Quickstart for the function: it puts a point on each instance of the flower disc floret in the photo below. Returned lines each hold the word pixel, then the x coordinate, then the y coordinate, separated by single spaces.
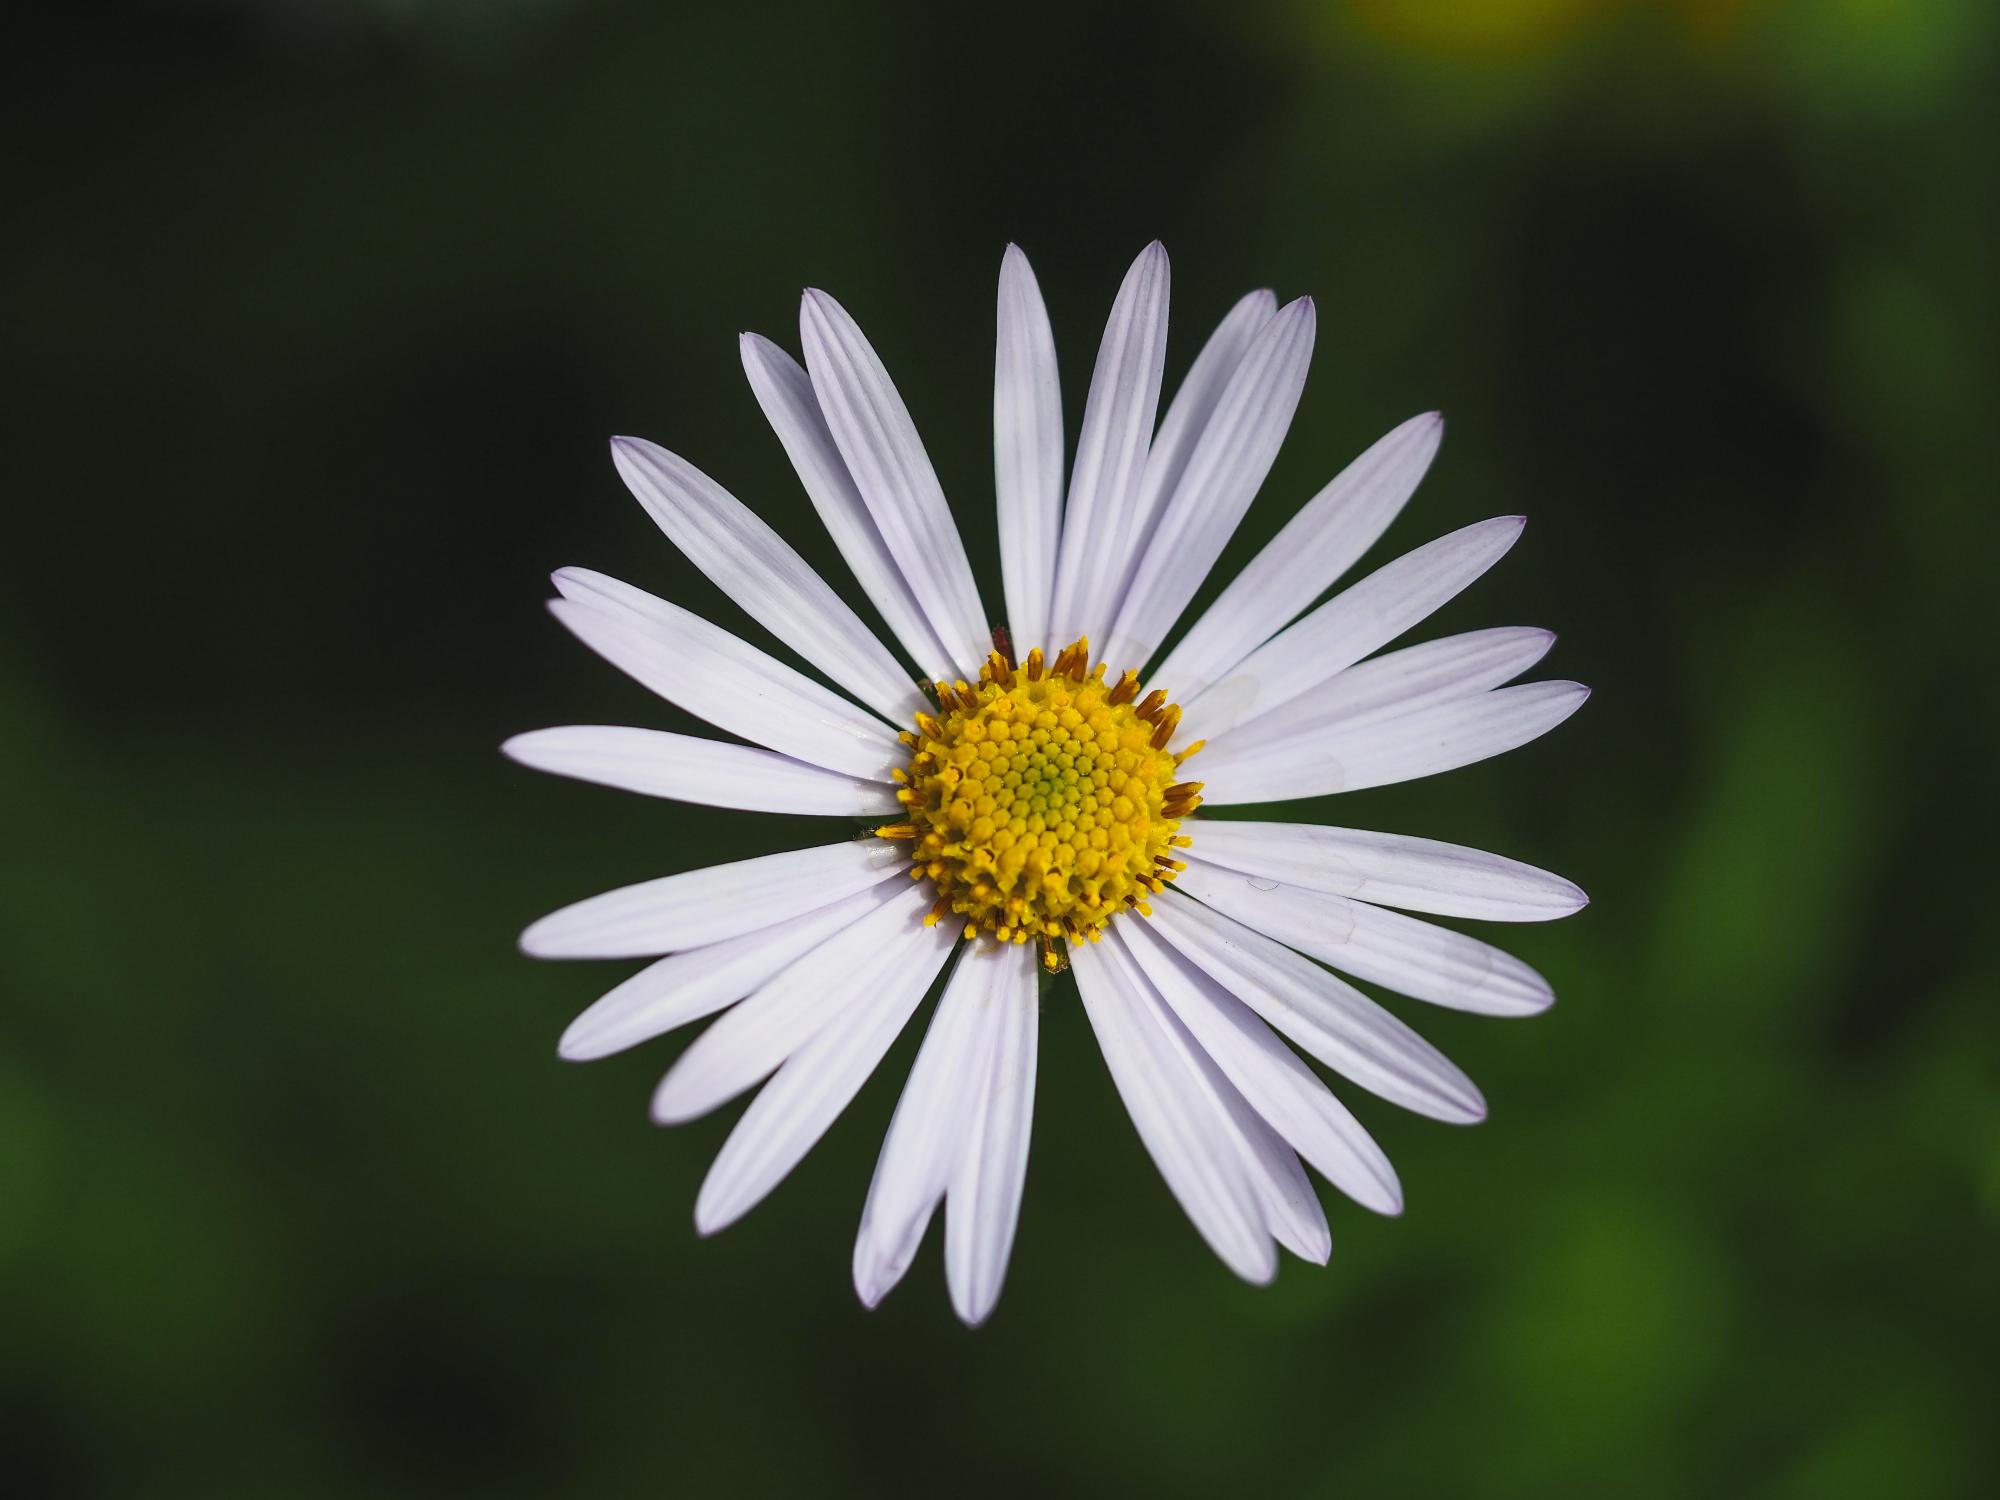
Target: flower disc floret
pixel 1043 800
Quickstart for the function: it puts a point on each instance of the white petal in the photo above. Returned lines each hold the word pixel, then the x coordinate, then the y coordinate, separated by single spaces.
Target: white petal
pixel 1382 752
pixel 1286 1202
pixel 1284 1195
pixel 984 1198
pixel 1388 869
pixel 816 1083
pixel 1267 1073
pixel 1292 1210
pixel 1111 446
pixel 784 391
pixel 706 906
pixel 1303 560
pixel 933 1116
pixel 758 569
pixel 1189 413
pixel 1394 684
pixel 1323 1013
pixel 687 769
pixel 1228 466
pixel 1358 620
pixel 886 457
pixel 1179 1115
pixel 718 677
pixel 687 986
pixel 1400 953
pixel 746 1043
pixel 1027 451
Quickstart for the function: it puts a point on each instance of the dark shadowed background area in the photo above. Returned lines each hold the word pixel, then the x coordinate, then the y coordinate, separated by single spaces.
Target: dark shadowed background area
pixel 317 316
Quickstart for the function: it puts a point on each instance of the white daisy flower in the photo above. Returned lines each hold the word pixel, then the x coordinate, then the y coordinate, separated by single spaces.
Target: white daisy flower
pixel 1032 808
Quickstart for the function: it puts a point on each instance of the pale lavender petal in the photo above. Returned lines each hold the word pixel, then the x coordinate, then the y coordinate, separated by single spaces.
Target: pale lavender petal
pixel 1111 451
pixel 1327 536
pixel 878 440
pixel 1228 466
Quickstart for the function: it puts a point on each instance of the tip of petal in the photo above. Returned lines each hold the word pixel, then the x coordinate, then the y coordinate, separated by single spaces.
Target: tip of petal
pixel 1539 1003
pixel 669 1107
pixel 870 1285
pixel 971 1315
pixel 1150 261
pixel 520 748
pixel 821 318
pixel 1425 430
pixel 576 1043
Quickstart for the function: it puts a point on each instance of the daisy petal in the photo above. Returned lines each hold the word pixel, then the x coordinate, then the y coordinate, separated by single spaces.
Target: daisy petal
pixel 794 1109
pixel 1389 869
pixel 718 677
pixel 1176 1109
pixel 1228 466
pixel 1398 683
pixel 1303 560
pixel 984 1200
pixel 687 769
pixel 1267 1073
pixel 1284 1194
pixel 784 392
pixel 1356 621
pixel 1188 414
pixel 758 569
pixel 1399 953
pixel 1292 1210
pixel 706 906
pixel 1383 752
pixel 924 1136
pixel 746 1043
pixel 875 435
pixel 1111 449
pixel 1027 450
pixel 684 987
pixel 1323 1013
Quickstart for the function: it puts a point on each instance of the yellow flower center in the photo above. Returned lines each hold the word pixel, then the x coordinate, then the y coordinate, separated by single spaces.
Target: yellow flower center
pixel 1042 800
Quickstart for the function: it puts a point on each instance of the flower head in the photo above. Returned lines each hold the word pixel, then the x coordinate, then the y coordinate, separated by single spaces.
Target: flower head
pixel 1044 801
pixel 1038 807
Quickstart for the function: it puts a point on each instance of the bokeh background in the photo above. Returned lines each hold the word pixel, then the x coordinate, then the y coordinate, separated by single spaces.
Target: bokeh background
pixel 316 318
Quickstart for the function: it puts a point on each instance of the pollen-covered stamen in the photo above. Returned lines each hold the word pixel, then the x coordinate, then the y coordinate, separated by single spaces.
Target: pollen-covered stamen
pixel 1042 800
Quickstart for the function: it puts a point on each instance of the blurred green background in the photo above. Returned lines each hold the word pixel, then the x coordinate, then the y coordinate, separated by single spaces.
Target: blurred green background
pixel 316 318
